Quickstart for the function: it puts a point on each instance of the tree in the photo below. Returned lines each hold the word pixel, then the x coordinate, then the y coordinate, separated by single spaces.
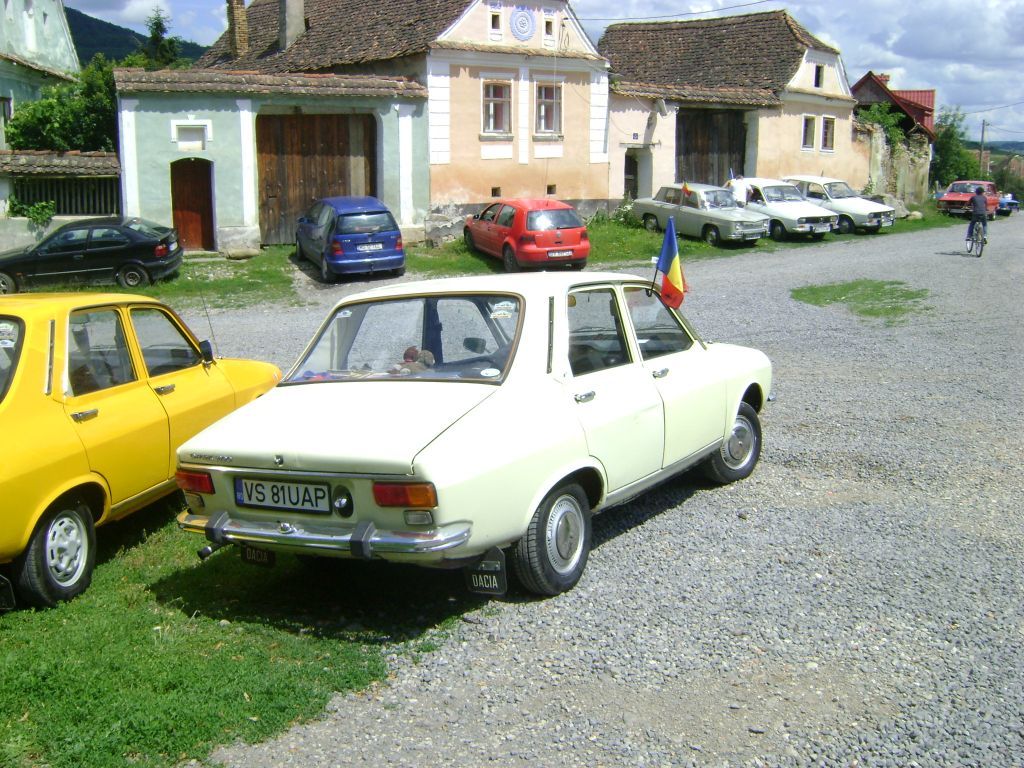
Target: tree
pixel 80 115
pixel 160 50
pixel 951 160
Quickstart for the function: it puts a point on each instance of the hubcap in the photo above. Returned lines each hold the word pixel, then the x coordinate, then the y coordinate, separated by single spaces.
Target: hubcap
pixel 564 535
pixel 65 549
pixel 740 445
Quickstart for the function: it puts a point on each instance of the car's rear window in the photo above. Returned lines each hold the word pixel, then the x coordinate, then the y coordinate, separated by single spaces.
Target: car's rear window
pixel 365 223
pixel 146 227
pixel 554 218
pixel 11 338
pixel 450 337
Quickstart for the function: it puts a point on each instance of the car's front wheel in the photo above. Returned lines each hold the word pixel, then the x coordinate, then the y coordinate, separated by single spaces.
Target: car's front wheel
pixel 467 238
pixel 57 564
pixel 509 258
pixel 777 231
pixel 7 284
pixel 740 451
pixel 711 235
pixel 551 555
pixel 650 222
pixel 132 276
pixel 845 225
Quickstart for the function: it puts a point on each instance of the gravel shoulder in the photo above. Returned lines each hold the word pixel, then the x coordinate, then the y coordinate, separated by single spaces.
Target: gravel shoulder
pixel 857 601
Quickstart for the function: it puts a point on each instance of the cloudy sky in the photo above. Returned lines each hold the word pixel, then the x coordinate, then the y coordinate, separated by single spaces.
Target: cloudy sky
pixel 971 53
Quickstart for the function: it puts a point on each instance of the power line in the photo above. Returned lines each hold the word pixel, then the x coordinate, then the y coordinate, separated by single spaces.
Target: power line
pixel 674 15
pixel 992 109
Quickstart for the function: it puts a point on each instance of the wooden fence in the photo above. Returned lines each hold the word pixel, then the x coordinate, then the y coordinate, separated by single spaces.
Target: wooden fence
pixel 73 196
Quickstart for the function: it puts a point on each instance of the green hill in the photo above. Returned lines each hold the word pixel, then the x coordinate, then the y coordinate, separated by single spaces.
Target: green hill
pixel 92 36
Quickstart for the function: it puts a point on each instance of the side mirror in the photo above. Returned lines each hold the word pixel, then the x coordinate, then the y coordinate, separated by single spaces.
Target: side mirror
pixel 206 350
pixel 476 217
pixel 475 345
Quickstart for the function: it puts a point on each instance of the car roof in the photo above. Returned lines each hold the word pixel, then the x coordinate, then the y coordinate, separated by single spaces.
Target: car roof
pixel 697 187
pixel 760 181
pixel 363 204
pixel 814 179
pixel 533 203
pixel 36 304
pixel 528 284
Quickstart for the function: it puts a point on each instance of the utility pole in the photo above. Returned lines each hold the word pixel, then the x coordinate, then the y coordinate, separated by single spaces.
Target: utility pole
pixel 981 155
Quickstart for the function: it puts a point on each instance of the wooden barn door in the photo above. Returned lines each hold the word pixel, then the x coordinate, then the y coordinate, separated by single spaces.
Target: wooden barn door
pixel 709 145
pixel 304 157
pixel 192 203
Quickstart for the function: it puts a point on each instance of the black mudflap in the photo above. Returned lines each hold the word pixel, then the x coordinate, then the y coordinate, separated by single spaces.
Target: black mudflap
pixel 488 576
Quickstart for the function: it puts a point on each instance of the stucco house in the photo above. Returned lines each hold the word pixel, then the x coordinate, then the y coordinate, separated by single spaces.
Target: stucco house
pixel 753 94
pixel 432 105
pixel 35 51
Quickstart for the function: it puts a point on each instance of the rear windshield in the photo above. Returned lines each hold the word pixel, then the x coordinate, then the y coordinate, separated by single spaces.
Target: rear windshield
pixel 556 218
pixel 365 223
pixel 11 336
pixel 146 227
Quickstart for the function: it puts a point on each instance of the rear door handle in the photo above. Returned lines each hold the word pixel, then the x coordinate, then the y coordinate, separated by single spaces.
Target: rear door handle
pixel 165 389
pixel 81 416
pixel 661 373
pixel 586 397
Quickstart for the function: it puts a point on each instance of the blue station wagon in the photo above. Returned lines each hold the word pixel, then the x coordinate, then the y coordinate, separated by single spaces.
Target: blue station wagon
pixel 350 235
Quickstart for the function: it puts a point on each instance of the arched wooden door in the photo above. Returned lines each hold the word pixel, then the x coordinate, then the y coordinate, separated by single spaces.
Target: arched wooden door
pixel 192 203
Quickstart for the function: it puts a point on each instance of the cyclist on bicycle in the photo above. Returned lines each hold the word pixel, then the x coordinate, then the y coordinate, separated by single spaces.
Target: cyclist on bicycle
pixel 979 213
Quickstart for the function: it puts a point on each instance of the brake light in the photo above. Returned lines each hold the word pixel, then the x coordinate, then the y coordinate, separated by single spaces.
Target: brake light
pixel 584 235
pixel 398 243
pixel 196 482
pixel 336 248
pixel 404 494
pixel 160 251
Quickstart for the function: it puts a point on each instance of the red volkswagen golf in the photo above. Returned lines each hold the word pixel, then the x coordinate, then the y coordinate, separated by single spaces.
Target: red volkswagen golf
pixel 530 233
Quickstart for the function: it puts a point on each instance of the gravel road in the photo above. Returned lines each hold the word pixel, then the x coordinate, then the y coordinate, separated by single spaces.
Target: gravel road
pixel 859 601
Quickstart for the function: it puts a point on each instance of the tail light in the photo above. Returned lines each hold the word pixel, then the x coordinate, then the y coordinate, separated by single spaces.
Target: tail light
pixel 336 248
pixel 584 235
pixel 405 494
pixel 196 482
pixel 398 243
pixel 161 250
pixel 527 239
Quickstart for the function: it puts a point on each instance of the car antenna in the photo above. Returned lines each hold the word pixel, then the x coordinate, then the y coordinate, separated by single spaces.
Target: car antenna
pixel 209 322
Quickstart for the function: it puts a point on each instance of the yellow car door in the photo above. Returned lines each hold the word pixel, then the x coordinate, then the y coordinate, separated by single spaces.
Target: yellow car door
pixel 113 410
pixel 193 394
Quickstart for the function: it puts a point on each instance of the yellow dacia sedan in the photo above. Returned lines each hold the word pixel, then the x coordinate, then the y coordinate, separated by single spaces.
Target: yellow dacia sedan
pixel 97 391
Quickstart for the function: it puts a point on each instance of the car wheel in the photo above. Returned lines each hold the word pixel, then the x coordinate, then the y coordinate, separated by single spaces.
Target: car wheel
pixel 845 225
pixel 399 272
pixel 578 264
pixel 509 257
pixel 298 248
pixel 711 236
pixel 651 222
pixel 741 450
pixel 777 232
pixel 132 276
pixel 58 563
pixel 551 555
pixel 7 284
pixel 467 238
pixel 326 275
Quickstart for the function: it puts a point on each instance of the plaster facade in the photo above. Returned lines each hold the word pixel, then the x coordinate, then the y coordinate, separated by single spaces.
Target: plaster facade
pixel 637 129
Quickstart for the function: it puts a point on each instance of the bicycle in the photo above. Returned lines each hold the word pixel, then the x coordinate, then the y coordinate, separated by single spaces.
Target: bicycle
pixel 976 242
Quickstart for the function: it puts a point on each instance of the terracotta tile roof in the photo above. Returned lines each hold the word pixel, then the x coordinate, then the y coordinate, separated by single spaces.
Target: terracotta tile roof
pixel 221 81
pixel 339 33
pixel 457 45
pixel 746 59
pixel 19 162
pixel 918 106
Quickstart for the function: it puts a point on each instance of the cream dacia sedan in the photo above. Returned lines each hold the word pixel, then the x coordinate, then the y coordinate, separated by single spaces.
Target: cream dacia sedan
pixel 467 422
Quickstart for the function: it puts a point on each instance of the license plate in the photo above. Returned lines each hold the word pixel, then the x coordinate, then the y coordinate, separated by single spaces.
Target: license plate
pixel 293 497
pixel 254 556
pixel 887 223
pixel 370 247
pixel 559 254
pixel 488 576
pixel 822 228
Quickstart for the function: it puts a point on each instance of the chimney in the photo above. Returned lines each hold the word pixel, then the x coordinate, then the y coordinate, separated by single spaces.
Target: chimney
pixel 238 28
pixel 291 22
pixel 884 78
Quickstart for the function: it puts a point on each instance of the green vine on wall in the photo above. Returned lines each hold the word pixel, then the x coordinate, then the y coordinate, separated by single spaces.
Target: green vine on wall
pixel 880 114
pixel 40 213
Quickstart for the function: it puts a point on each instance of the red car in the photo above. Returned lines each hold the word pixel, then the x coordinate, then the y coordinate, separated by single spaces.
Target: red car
pixel 536 233
pixel 957 198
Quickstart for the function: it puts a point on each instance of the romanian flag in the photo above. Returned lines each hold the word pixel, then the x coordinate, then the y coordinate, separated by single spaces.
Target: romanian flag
pixel 673 283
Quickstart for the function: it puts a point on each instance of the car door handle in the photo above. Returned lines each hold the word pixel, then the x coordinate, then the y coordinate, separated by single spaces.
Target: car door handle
pixel 81 416
pixel 166 389
pixel 586 397
pixel 661 373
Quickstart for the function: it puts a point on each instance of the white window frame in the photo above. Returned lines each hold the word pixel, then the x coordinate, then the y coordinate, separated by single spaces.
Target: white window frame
pixel 804 133
pixel 487 113
pixel 542 109
pixel 187 143
pixel 827 120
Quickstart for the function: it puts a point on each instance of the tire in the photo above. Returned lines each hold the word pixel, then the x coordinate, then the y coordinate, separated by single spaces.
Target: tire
pixel 326 276
pixel 845 225
pixel 298 248
pixel 551 555
pixel 651 223
pixel 399 272
pixel 712 237
pixel 467 238
pixel 578 265
pixel 58 562
pixel 777 232
pixel 132 276
pixel 7 284
pixel 979 246
pixel 509 259
pixel 739 454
